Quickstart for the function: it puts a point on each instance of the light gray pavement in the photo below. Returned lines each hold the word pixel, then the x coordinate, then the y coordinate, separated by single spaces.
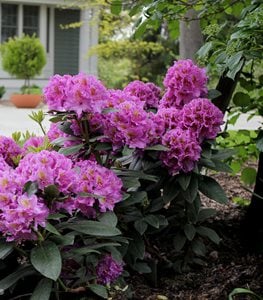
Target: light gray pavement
pixel 16 119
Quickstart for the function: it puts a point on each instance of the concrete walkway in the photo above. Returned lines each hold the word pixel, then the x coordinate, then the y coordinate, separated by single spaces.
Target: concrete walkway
pixel 16 119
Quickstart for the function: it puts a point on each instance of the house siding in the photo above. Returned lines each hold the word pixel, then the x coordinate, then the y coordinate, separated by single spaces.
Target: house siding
pixel 86 36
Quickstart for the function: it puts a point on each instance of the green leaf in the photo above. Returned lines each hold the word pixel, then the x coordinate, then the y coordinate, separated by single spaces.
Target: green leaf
pixel 5 249
pixel 209 233
pixel 51 229
pixel 205 213
pixel 71 150
pixel 142 267
pixel 103 146
pixel 109 218
pixel 170 190
pixel 42 290
pixel 179 241
pixel 31 188
pixel 140 226
pixel 198 247
pixel 46 259
pixel 241 291
pixel 99 290
pixel 241 99
pixel 189 231
pixel 11 279
pixel 56 216
pixel 212 94
pixel 248 175
pixel 223 154
pixel 156 148
pixel 51 192
pixel 259 142
pixel 152 220
pixel 137 247
pixel 192 190
pixel 93 228
pixel 116 7
pixel 184 180
pixel 80 251
pixel 221 166
pixel 210 188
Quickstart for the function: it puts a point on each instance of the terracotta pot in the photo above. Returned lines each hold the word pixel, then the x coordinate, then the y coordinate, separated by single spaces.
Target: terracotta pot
pixel 26 100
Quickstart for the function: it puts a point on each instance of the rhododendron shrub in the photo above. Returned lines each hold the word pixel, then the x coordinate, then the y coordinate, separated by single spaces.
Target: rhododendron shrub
pixel 122 170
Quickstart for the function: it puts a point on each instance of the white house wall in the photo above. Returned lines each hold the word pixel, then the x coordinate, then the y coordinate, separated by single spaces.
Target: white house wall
pixel 88 37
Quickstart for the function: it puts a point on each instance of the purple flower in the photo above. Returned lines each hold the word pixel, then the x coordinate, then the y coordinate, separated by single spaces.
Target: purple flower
pixel 184 151
pixel 22 216
pixel 47 168
pixel 55 92
pixel 170 116
pixel 54 133
pixel 202 117
pixel 9 150
pixel 128 125
pixel 85 93
pixel 99 181
pixel 149 93
pixel 184 81
pixel 108 270
pixel 79 93
pixel 33 142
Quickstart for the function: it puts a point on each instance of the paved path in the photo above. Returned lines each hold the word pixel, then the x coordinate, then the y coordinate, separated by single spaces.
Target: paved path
pixel 16 119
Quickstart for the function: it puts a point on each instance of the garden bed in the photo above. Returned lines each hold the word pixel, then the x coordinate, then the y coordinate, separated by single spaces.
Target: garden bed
pixel 227 266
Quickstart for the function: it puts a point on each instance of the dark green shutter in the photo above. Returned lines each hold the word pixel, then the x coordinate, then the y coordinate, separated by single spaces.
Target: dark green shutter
pixel 66 42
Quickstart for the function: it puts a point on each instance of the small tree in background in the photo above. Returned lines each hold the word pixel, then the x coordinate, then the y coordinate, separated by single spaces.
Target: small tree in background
pixel 23 57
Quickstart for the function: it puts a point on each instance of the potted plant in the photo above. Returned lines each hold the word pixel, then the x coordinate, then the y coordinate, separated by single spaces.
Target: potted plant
pixel 24 57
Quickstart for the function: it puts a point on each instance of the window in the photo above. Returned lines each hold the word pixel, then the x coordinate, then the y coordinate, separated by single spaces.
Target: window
pixel 13 14
pixel 30 19
pixel 9 21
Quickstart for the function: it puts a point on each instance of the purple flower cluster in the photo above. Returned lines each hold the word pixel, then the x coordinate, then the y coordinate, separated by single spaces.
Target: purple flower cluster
pixel 79 93
pixel 21 215
pixel 9 150
pixel 184 150
pixel 79 184
pixel 47 168
pixel 32 142
pixel 108 270
pixel 128 125
pixel 202 117
pixel 184 82
pixel 148 92
pixel 94 179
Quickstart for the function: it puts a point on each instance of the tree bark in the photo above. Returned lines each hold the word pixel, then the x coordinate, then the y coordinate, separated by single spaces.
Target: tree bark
pixel 191 38
pixel 252 227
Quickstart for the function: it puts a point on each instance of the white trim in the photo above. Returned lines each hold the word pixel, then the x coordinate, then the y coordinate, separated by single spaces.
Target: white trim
pixel 49 2
pixel 20 20
pixel 43 25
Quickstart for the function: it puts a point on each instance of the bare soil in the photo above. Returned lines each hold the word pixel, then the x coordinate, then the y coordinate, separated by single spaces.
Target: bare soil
pixel 228 265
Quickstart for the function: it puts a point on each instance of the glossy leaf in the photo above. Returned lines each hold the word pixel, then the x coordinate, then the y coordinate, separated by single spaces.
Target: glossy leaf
pixel 93 228
pixel 42 290
pixel 11 279
pixel 210 188
pixel 99 290
pixel 46 259
pixel 209 233
pixel 5 248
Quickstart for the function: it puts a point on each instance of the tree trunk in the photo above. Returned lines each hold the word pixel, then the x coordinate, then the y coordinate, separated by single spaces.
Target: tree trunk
pixel 252 227
pixel 191 38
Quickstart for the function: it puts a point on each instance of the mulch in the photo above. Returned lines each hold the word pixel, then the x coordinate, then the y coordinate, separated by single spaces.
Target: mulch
pixel 228 265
